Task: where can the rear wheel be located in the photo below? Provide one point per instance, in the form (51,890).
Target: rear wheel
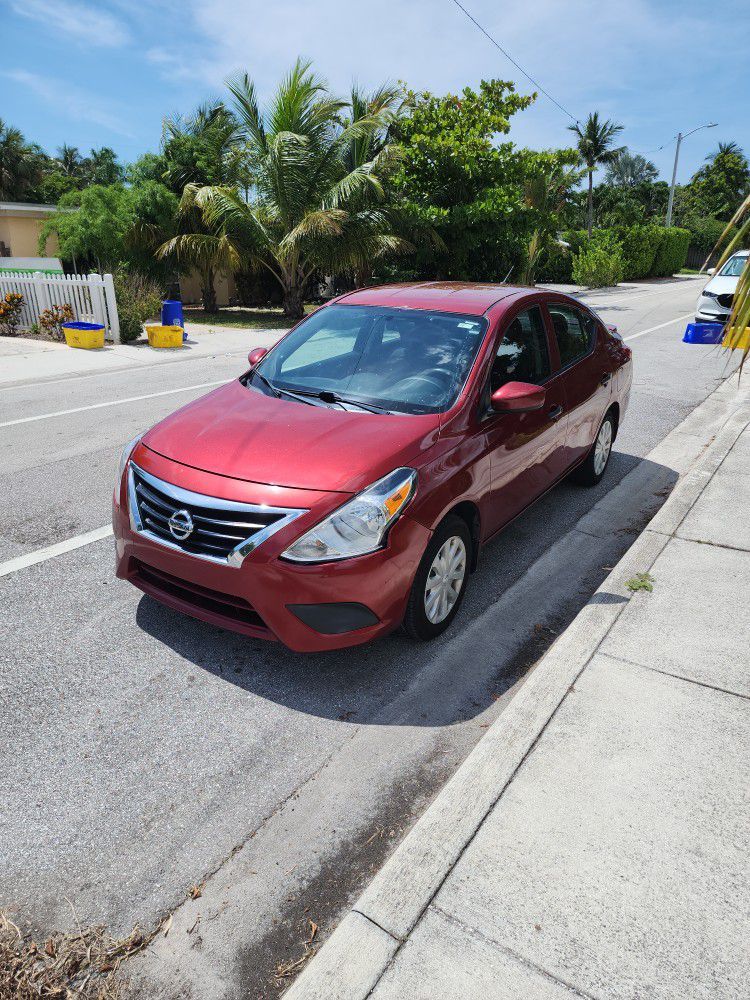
(440,583)
(590,472)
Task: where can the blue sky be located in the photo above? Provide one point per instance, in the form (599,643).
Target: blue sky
(105,73)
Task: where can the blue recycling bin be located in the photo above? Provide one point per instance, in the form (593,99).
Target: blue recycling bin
(704,333)
(171,315)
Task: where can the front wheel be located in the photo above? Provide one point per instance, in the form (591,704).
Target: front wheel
(440,582)
(590,472)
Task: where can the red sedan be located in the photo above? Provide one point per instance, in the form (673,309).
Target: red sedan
(346,483)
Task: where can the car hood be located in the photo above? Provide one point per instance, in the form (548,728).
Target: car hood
(242,433)
(722,284)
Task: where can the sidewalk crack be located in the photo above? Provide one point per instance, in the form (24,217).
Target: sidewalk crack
(521,959)
(677,677)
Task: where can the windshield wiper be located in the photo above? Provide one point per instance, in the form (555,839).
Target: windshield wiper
(276,390)
(327,396)
(265,381)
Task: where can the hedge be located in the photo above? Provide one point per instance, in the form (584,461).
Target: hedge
(671,252)
(648,251)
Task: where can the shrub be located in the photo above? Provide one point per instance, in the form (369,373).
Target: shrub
(10,313)
(671,252)
(138,299)
(52,319)
(639,246)
(599,262)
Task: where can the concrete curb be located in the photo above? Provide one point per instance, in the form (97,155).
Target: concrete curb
(354,958)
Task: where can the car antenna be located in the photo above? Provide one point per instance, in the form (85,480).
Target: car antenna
(509,273)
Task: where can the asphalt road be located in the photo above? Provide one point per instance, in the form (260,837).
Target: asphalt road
(145,753)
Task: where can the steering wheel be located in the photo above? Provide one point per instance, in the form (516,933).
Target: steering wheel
(412,380)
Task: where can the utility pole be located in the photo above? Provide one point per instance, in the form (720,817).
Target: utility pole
(680,137)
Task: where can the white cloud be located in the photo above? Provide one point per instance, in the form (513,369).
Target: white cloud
(70,101)
(80,21)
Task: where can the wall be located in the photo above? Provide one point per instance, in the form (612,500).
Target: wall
(190,288)
(20,234)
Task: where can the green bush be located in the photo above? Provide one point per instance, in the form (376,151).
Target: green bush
(671,252)
(639,246)
(598,264)
(138,299)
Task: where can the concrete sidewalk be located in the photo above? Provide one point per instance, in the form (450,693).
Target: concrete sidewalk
(24,359)
(596,841)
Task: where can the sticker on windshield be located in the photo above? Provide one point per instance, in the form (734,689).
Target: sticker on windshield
(468,326)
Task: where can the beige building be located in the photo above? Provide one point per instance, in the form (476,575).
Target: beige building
(190,289)
(20,227)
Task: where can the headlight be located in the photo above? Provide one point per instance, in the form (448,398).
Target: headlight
(361,525)
(709,295)
(127,451)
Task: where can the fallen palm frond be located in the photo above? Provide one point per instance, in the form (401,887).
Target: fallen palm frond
(80,965)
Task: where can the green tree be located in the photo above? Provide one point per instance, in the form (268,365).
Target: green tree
(306,215)
(102,167)
(70,161)
(719,188)
(18,169)
(594,141)
(201,148)
(630,169)
(454,175)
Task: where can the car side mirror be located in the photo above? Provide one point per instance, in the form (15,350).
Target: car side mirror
(518,397)
(256,355)
(711,270)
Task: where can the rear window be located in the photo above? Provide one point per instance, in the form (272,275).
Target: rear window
(574,332)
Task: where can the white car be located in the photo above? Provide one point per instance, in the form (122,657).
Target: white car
(715,301)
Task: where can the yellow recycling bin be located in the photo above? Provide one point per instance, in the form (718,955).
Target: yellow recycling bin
(739,339)
(88,336)
(164,336)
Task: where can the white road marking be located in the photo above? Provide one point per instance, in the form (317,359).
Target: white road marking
(41,555)
(677,319)
(114,402)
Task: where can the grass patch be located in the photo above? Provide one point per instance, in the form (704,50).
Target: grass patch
(252,319)
(689,270)
(84,964)
(641,581)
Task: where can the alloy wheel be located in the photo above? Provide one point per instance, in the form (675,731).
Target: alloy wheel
(445,579)
(602,447)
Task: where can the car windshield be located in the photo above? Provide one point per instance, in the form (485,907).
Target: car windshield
(403,360)
(733,267)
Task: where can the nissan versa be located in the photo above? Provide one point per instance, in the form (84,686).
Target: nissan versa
(345,484)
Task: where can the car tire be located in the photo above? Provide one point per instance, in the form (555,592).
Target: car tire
(437,592)
(591,470)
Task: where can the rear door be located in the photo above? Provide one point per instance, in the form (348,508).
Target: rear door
(527,450)
(585,373)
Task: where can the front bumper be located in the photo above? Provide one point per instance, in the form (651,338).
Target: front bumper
(350,602)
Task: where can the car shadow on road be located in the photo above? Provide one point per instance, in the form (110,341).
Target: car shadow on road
(360,685)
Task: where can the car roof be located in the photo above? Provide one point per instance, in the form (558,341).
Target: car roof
(469,298)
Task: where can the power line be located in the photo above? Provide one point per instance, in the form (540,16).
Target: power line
(511,59)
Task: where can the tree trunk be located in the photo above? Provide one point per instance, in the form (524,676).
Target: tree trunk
(293,301)
(208,291)
(590,203)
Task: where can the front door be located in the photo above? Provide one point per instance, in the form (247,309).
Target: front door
(527,450)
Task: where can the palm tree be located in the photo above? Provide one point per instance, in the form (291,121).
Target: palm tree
(726,148)
(318,198)
(545,192)
(201,148)
(17,164)
(69,161)
(630,170)
(595,148)
(737,325)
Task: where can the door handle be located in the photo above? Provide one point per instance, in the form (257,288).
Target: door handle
(555,413)
(606,378)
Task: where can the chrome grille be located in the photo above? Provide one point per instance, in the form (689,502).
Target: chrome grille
(200,525)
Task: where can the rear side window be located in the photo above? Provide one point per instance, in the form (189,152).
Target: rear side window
(522,354)
(574,331)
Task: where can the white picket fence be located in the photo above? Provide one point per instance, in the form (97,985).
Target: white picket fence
(92,297)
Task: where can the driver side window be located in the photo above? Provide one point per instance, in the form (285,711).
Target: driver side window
(522,354)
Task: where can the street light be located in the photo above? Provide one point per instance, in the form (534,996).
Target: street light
(680,137)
